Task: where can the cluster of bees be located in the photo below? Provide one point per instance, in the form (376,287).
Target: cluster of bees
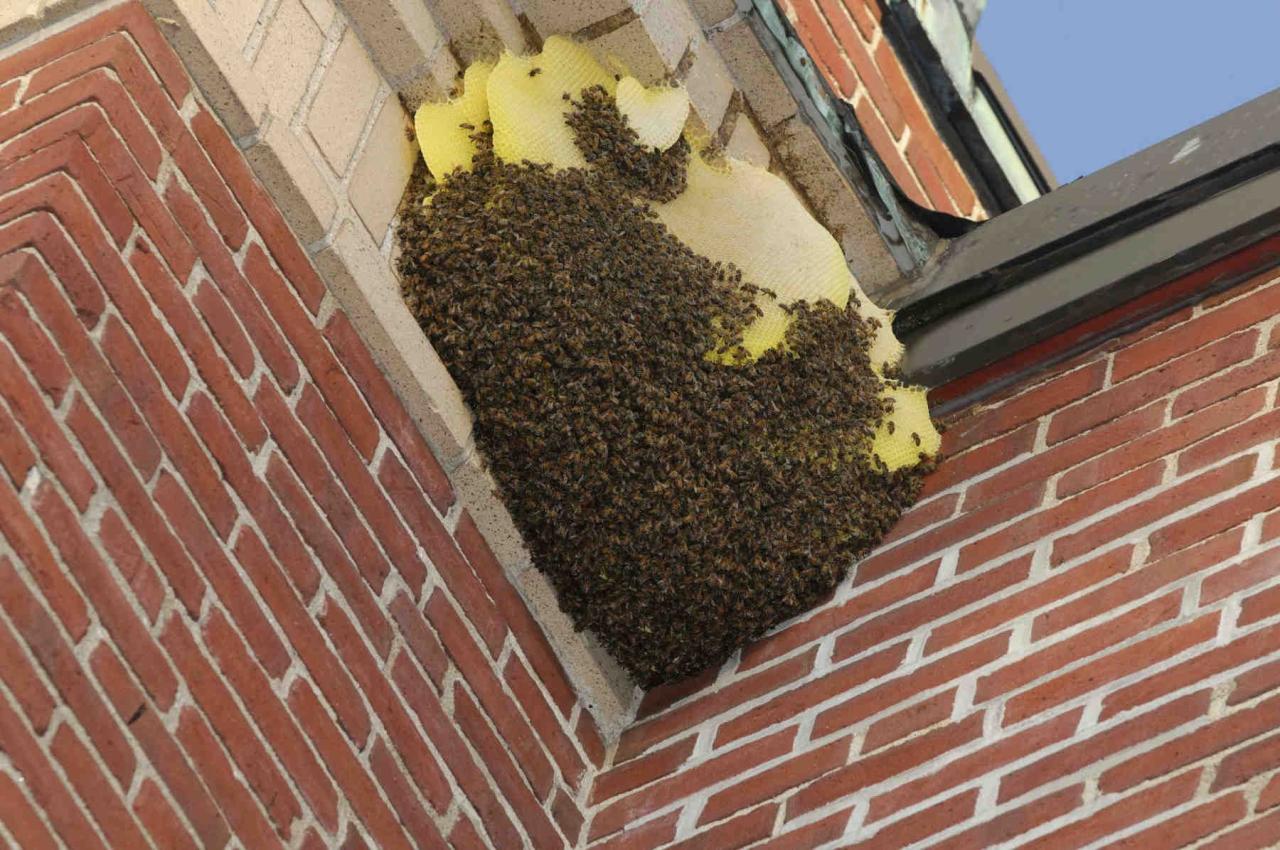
(681,501)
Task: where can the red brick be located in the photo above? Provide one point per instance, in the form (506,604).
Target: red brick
(1214,519)
(153,812)
(661,697)
(1046,522)
(1202,742)
(544,720)
(316,532)
(458,576)
(738,832)
(42,783)
(1136,584)
(267,340)
(916,828)
(494,754)
(1262,756)
(272,719)
(811,836)
(959,463)
(70,155)
(1258,834)
(652,834)
(894,691)
(1085,448)
(246,819)
(225,328)
(86,363)
(22,680)
(34,347)
(795,772)
(790,703)
(708,772)
(1028,405)
(399,426)
(1102,744)
(15,456)
(198,344)
(138,507)
(45,435)
(1039,594)
(465,836)
(856,52)
(132,565)
(113,609)
(1257,570)
(326,372)
(830,619)
(1270,796)
(374,684)
(22,821)
(567,816)
(922,165)
(231,589)
(589,738)
(444,734)
(1259,606)
(922,516)
(528,632)
(1189,827)
(1122,814)
(822,46)
(1012,824)
(417,823)
(934,606)
(636,772)
(1201,668)
(161,750)
(30,550)
(985,761)
(358,789)
(924,714)
(963,527)
(56,658)
(262,211)
(232,727)
(1206,485)
(500,708)
(1227,383)
(880,136)
(1229,441)
(1132,394)
(100,799)
(300,628)
(1110,667)
(1259,680)
(420,640)
(8,94)
(870,770)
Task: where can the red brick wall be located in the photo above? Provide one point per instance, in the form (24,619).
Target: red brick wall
(1074,637)
(845,38)
(239,603)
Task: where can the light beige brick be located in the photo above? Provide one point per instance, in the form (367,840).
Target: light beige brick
(338,114)
(834,203)
(565,17)
(401,36)
(214,62)
(711,12)
(383,169)
(671,28)
(288,57)
(479,29)
(745,143)
(321,11)
(710,86)
(629,48)
(364,284)
(239,17)
(293,180)
(755,74)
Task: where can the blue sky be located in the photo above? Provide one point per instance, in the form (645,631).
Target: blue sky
(1097,80)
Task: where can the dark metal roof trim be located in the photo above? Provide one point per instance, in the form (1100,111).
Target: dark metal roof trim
(1096,243)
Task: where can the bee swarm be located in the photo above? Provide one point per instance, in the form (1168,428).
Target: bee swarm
(681,504)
